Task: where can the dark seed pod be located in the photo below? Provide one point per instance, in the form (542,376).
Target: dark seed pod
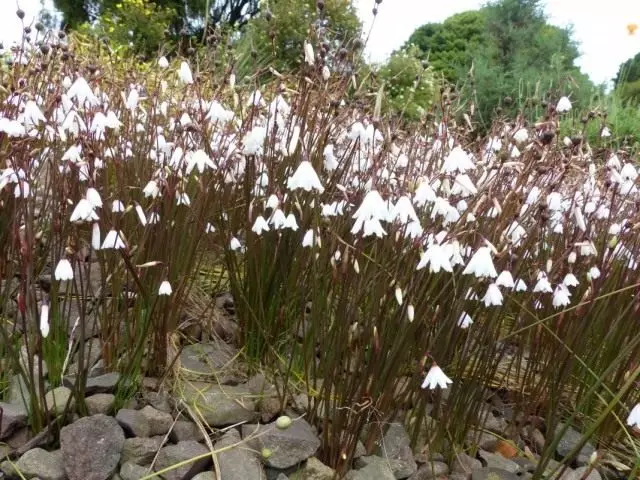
(39,26)
(20,14)
(320,5)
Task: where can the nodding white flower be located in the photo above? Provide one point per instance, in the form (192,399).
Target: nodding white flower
(73,154)
(132,99)
(290,222)
(580,223)
(253,141)
(516,233)
(515,152)
(521,135)
(63,270)
(272,202)
(154,218)
(209,228)
(83,212)
(372,226)
(44,320)
(458,161)
(593,273)
(151,189)
(414,230)
(372,207)
(570,280)
(199,159)
(117,206)
(82,93)
(543,284)
(614,162)
(165,288)
(561,296)
(520,286)
(217,113)
(183,199)
(12,128)
(398,294)
(564,105)
(163,62)
(305,178)
(424,193)
(32,115)
(481,264)
(330,161)
(493,296)
(235,244)
(463,186)
(94,197)
(436,378)
(256,100)
(185,73)
(437,258)
(278,219)
(554,201)
(22,190)
(403,211)
(113,241)
(260,225)
(411,312)
(141,216)
(629,172)
(465,320)
(309,56)
(571,259)
(505,279)
(95,236)
(310,239)
(614,229)
(326,73)
(605,133)
(633,420)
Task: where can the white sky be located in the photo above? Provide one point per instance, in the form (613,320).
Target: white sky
(599,26)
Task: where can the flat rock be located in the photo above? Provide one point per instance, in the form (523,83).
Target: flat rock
(159,422)
(140,450)
(373,468)
(91,447)
(38,463)
(488,473)
(133,422)
(579,474)
(159,400)
(238,463)
(208,361)
(57,399)
(14,416)
(185,430)
(313,469)
(569,441)
(205,476)
(289,447)
(463,463)
(395,446)
(220,405)
(132,471)
(102,383)
(430,471)
(100,403)
(175,454)
(494,460)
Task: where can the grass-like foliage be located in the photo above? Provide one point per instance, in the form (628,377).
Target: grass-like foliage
(361,256)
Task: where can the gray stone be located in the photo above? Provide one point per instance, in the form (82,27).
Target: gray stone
(525,464)
(159,400)
(205,476)
(185,430)
(14,416)
(372,468)
(495,424)
(395,446)
(579,474)
(140,450)
(131,471)
(463,463)
(102,383)
(483,440)
(181,452)
(42,464)
(313,469)
(133,422)
(92,353)
(289,447)
(57,399)
(220,405)
(430,471)
(19,391)
(569,441)
(488,473)
(100,403)
(239,462)
(494,460)
(159,422)
(91,447)
(209,361)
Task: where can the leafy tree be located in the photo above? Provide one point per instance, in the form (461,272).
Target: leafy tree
(409,87)
(277,36)
(628,72)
